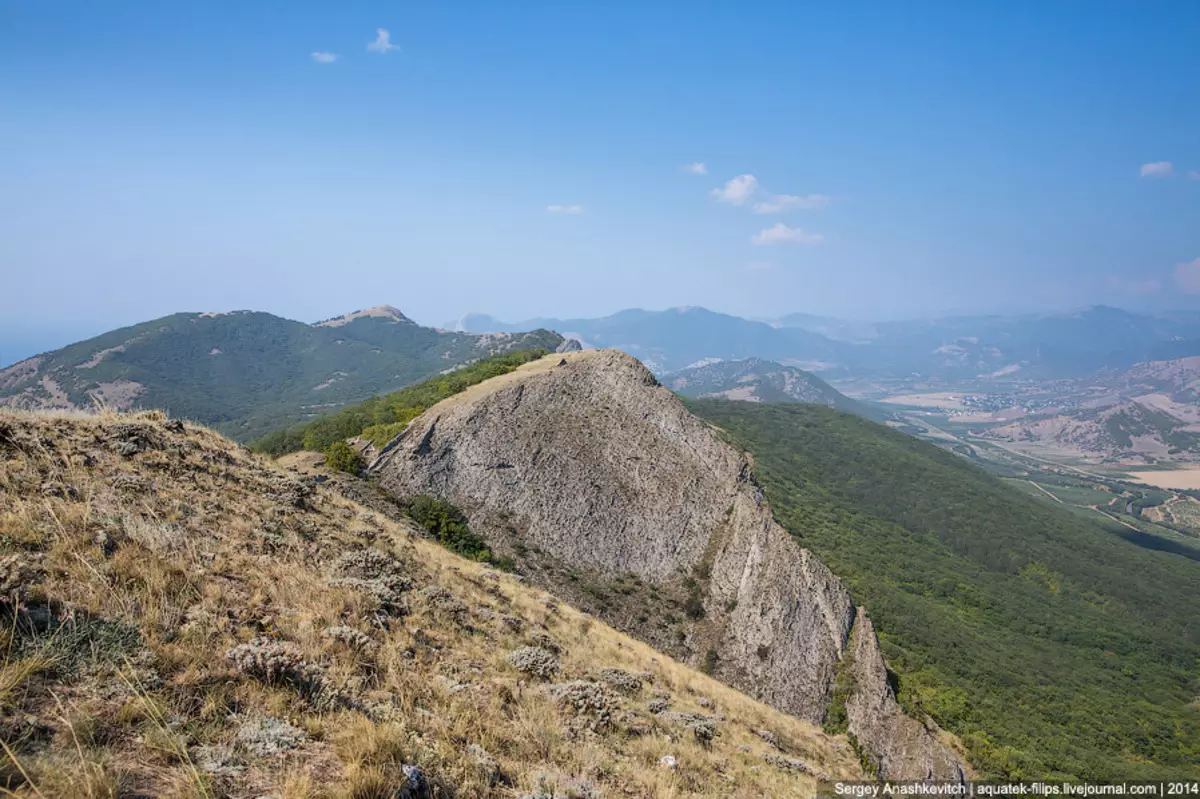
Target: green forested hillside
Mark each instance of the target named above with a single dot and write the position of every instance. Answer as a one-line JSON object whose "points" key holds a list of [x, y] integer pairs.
{"points": [[1049, 643], [247, 373], [380, 419]]}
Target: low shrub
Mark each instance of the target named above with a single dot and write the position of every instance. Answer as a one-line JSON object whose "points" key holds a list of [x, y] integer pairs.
{"points": [[344, 458]]}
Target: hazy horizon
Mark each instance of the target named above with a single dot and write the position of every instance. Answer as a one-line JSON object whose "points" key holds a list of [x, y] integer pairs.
{"points": [[571, 161], [18, 342]]}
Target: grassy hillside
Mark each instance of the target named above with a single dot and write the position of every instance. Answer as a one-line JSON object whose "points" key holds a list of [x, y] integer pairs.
{"points": [[1051, 644], [182, 619], [380, 419], [247, 373]]}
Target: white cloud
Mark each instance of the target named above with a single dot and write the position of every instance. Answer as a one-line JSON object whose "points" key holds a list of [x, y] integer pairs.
{"points": [[565, 209], [1194, 174], [737, 191], [382, 43], [1158, 169], [778, 203], [780, 233], [324, 58], [695, 168], [1187, 276]]}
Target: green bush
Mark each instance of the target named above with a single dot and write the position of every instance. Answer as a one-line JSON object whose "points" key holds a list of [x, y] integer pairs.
{"points": [[836, 720], [382, 434], [448, 526], [869, 766], [280, 442], [344, 458]]}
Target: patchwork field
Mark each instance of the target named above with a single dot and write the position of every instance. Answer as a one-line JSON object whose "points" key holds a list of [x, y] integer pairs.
{"points": [[1179, 479]]}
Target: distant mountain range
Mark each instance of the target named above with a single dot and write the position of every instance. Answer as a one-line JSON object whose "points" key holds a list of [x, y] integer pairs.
{"points": [[756, 380], [836, 329], [1012, 348], [247, 373], [1037, 346], [676, 338]]}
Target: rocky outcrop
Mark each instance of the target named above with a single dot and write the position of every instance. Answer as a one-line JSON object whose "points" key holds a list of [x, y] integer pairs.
{"points": [[583, 455], [569, 345], [901, 747]]}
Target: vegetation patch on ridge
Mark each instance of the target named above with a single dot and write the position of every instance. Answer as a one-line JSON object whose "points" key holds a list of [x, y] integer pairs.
{"points": [[382, 418], [448, 526]]}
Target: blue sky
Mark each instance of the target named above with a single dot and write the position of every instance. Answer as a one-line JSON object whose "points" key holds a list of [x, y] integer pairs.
{"points": [[982, 156]]}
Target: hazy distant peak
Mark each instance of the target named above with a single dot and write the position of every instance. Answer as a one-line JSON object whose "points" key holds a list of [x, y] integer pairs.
{"points": [[378, 311], [474, 322], [1092, 311], [757, 380]]}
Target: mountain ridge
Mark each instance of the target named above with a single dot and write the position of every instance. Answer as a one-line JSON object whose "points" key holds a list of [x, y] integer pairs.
{"points": [[676, 338], [248, 372], [758, 380], [1023, 346]]}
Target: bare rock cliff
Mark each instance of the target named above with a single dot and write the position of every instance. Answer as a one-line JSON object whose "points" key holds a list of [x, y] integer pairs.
{"points": [[583, 455], [904, 748]]}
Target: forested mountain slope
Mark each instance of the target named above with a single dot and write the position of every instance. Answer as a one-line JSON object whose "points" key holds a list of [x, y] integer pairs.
{"points": [[380, 419], [246, 373], [1050, 644]]}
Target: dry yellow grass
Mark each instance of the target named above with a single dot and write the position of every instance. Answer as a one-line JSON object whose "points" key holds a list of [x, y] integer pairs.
{"points": [[135, 553]]}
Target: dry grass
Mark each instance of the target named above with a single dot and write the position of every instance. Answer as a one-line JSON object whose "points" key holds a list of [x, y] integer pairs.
{"points": [[134, 572]]}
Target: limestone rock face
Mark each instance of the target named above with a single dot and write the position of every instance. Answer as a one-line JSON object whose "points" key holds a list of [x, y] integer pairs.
{"points": [[585, 456], [569, 345], [901, 747]]}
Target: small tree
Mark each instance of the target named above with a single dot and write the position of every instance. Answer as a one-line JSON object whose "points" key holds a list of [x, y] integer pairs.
{"points": [[448, 525], [342, 456]]}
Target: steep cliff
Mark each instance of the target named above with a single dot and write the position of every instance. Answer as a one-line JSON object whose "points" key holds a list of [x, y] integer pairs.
{"points": [[902, 745], [584, 457]]}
